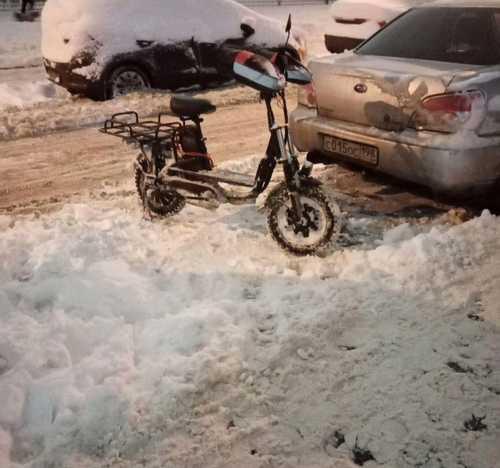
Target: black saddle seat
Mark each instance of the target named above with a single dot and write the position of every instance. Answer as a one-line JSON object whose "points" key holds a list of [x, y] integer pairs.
{"points": [[185, 106]]}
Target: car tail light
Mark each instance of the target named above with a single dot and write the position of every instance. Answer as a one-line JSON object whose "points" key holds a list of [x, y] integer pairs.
{"points": [[307, 96], [451, 103], [381, 24], [451, 112]]}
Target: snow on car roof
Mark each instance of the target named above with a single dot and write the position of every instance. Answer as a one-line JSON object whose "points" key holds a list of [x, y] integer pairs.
{"points": [[385, 4], [373, 9], [466, 3], [67, 25]]}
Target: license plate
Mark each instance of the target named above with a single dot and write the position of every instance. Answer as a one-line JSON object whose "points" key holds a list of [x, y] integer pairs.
{"points": [[351, 150]]}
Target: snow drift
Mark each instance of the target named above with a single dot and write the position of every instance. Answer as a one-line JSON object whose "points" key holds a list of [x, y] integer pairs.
{"points": [[196, 342]]}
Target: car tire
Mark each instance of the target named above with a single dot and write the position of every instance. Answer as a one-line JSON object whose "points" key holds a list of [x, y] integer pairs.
{"points": [[126, 79]]}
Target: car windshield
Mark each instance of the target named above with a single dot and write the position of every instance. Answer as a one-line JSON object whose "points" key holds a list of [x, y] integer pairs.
{"points": [[457, 35]]}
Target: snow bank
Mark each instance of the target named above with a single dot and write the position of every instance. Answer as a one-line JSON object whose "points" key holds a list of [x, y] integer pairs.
{"points": [[195, 340], [25, 94], [64, 112]]}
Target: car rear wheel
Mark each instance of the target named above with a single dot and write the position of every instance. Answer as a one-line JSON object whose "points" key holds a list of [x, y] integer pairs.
{"points": [[126, 79]]}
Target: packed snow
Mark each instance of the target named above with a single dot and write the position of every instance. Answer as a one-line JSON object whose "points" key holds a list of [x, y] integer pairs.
{"points": [[19, 42], [25, 94], [197, 342], [64, 112]]}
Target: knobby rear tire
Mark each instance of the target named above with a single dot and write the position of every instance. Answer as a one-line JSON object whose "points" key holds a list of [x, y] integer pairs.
{"points": [[164, 203]]}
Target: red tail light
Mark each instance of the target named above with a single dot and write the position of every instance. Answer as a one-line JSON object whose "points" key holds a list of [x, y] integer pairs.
{"points": [[451, 103], [450, 112], [381, 23]]}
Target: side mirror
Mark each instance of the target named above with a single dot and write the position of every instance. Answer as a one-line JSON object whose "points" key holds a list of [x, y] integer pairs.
{"points": [[289, 24], [247, 30]]}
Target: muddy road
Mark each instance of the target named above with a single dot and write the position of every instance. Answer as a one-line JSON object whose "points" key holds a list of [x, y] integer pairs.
{"points": [[42, 173]]}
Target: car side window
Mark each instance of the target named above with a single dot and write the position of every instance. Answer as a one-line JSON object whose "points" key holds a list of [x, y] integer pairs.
{"points": [[178, 57]]}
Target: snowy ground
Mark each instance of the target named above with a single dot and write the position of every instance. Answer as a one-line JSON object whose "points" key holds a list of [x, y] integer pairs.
{"points": [[19, 42], [196, 342]]}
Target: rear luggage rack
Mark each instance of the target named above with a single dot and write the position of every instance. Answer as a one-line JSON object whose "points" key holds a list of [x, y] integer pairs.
{"points": [[128, 127]]}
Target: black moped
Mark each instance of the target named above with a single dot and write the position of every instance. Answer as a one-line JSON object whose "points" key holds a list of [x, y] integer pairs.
{"points": [[174, 166]]}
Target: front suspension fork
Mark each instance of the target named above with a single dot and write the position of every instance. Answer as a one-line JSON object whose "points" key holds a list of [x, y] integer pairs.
{"points": [[291, 170]]}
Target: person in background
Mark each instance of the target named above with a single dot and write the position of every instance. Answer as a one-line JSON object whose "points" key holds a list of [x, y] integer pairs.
{"points": [[25, 3]]}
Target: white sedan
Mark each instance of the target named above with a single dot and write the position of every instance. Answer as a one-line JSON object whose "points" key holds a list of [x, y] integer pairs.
{"points": [[356, 20]]}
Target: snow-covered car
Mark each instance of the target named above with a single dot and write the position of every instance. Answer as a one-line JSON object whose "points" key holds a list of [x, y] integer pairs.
{"points": [[105, 48], [356, 20], [420, 100]]}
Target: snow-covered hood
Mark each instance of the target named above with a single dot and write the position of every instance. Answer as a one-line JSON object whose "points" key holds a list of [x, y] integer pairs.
{"points": [[68, 26]]}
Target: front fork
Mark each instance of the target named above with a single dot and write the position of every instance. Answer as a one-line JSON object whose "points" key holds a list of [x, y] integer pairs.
{"points": [[294, 174]]}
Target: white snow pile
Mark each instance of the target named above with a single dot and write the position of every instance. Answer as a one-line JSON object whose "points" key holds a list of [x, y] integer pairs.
{"points": [[197, 342], [64, 112], [72, 26], [24, 94]]}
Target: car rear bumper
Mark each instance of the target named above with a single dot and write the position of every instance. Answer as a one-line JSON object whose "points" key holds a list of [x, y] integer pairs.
{"points": [[445, 163], [62, 74]]}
